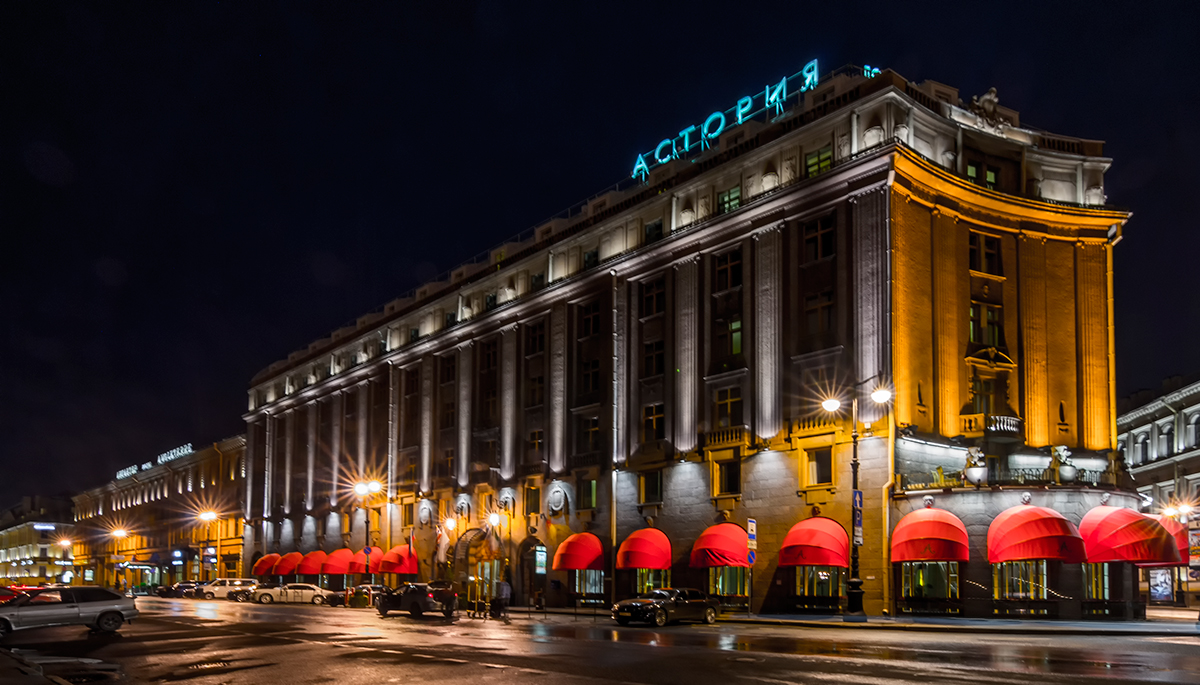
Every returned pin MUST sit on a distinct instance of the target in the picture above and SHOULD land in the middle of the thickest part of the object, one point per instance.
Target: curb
(1031, 629)
(23, 671)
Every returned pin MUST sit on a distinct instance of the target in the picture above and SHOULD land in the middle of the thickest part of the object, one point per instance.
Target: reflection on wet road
(224, 642)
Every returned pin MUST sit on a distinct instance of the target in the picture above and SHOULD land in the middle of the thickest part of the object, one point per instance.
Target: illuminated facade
(35, 542)
(173, 518)
(661, 351)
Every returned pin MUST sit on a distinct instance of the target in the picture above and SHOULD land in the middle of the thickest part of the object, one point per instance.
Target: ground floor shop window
(1095, 582)
(820, 581)
(651, 579)
(1019, 580)
(728, 581)
(929, 580)
(589, 582)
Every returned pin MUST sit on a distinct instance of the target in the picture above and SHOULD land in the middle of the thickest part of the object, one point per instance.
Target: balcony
(585, 460)
(727, 438)
(991, 426)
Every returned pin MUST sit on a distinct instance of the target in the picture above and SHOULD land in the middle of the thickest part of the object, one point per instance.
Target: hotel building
(36, 542)
(631, 393)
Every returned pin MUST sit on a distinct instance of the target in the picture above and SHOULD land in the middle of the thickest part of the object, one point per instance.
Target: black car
(417, 598)
(665, 605)
(373, 592)
(175, 590)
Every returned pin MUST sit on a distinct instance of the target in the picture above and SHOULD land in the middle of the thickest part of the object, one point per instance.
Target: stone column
(363, 407)
(1031, 269)
(465, 375)
(508, 401)
(687, 353)
(1091, 327)
(313, 422)
(871, 303)
(335, 447)
(289, 447)
(947, 316)
(556, 394)
(425, 472)
(268, 465)
(766, 333)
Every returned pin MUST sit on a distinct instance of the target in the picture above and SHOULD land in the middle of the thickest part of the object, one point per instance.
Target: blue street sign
(750, 556)
(367, 551)
(858, 518)
(857, 499)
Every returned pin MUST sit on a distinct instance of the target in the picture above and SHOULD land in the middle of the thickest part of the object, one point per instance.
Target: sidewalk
(17, 671)
(1162, 622)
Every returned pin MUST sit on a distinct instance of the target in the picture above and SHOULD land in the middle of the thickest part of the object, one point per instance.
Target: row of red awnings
(399, 559)
(1021, 533)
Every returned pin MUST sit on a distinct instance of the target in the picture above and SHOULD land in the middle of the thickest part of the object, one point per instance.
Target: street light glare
(494, 519)
(1170, 511)
(361, 489)
(374, 486)
(64, 543)
(208, 516)
(120, 533)
(1185, 508)
(832, 404)
(450, 523)
(882, 396)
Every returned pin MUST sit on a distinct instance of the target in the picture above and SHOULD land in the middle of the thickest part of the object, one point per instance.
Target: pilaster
(464, 374)
(687, 343)
(766, 332)
(556, 428)
(1031, 267)
(508, 401)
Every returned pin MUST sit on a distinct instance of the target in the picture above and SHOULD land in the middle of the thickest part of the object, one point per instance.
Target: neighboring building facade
(660, 353)
(1159, 436)
(35, 542)
(173, 518)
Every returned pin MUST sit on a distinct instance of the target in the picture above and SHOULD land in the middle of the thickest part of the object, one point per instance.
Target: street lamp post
(117, 534)
(854, 594)
(208, 517)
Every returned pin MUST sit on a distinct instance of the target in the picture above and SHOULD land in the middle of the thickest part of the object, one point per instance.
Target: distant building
(658, 355)
(35, 542)
(1159, 436)
(171, 518)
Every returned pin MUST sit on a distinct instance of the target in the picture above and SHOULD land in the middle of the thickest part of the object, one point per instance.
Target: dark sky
(192, 190)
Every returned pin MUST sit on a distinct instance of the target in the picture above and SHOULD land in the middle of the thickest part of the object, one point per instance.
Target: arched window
(1141, 448)
(1193, 436)
(1166, 441)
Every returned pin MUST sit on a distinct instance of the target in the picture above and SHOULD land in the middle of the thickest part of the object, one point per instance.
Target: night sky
(189, 191)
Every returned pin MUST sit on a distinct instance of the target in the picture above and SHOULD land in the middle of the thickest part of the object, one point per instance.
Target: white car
(94, 607)
(292, 592)
(221, 587)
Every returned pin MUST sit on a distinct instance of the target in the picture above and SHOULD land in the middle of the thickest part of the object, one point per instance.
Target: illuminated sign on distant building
(772, 101)
(181, 451)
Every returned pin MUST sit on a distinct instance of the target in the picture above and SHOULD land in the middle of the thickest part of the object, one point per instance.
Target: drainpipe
(616, 447)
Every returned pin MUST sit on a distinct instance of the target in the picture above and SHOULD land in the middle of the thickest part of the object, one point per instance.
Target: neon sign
(770, 101)
(181, 451)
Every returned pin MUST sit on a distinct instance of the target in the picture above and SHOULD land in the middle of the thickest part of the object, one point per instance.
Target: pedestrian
(503, 596)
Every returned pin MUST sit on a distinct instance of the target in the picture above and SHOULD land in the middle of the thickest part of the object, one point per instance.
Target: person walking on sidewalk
(503, 596)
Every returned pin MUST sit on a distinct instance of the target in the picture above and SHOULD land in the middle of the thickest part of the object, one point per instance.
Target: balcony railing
(723, 438)
(990, 425)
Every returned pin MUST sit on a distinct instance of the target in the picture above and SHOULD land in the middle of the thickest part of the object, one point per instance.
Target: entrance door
(532, 573)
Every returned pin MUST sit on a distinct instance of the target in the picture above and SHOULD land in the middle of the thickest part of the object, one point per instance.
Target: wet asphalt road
(207, 643)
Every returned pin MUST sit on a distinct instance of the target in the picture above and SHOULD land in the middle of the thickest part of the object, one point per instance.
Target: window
(654, 425)
(654, 231)
(448, 463)
(735, 337)
(981, 395)
(410, 468)
(589, 582)
(94, 594)
(820, 581)
(447, 415)
(652, 359)
(650, 487)
(729, 200)
(929, 580)
(535, 338)
(729, 271)
(451, 319)
(819, 239)
(589, 319)
(729, 477)
(989, 177)
(536, 440)
(591, 258)
(533, 499)
(984, 254)
(414, 334)
(819, 162)
(973, 171)
(729, 407)
(535, 393)
(537, 281)
(818, 312)
(1095, 582)
(818, 467)
(589, 434)
(406, 514)
(449, 366)
(490, 404)
(652, 579)
(412, 381)
(1019, 580)
(591, 375)
(487, 361)
(585, 493)
(986, 327)
(654, 298)
(489, 301)
(491, 452)
(728, 581)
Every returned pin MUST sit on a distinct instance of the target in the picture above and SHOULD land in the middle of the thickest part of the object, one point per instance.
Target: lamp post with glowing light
(66, 547)
(366, 490)
(854, 595)
(1181, 512)
(116, 534)
(208, 517)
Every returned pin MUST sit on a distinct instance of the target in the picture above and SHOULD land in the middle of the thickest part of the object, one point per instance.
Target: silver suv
(94, 607)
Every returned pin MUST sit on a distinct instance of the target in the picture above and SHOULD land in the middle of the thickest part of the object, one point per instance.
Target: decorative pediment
(992, 358)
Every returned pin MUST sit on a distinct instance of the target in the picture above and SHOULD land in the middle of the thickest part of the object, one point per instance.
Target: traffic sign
(858, 518)
(750, 556)
(858, 500)
(752, 529)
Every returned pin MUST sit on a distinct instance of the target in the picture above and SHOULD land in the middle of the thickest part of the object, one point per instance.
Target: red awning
(1120, 534)
(310, 565)
(286, 565)
(1178, 531)
(399, 560)
(818, 541)
(646, 548)
(580, 552)
(263, 566)
(721, 545)
(360, 563)
(338, 561)
(1026, 532)
(930, 535)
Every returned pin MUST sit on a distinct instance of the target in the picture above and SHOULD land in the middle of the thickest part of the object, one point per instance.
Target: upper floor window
(490, 404)
(449, 366)
(650, 487)
(589, 319)
(487, 361)
(591, 375)
(652, 359)
(589, 434)
(654, 298)
(585, 496)
(591, 258)
(819, 162)
(983, 174)
(535, 391)
(986, 324)
(412, 381)
(535, 338)
(818, 312)
(489, 301)
(728, 270)
(654, 231)
(447, 417)
(537, 281)
(654, 425)
(982, 390)
(984, 253)
(536, 440)
(729, 200)
(819, 239)
(451, 319)
(728, 407)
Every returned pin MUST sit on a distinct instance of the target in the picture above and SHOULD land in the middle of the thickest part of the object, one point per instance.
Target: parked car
(196, 591)
(374, 592)
(291, 592)
(666, 605)
(176, 590)
(94, 607)
(221, 587)
(244, 594)
(417, 598)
